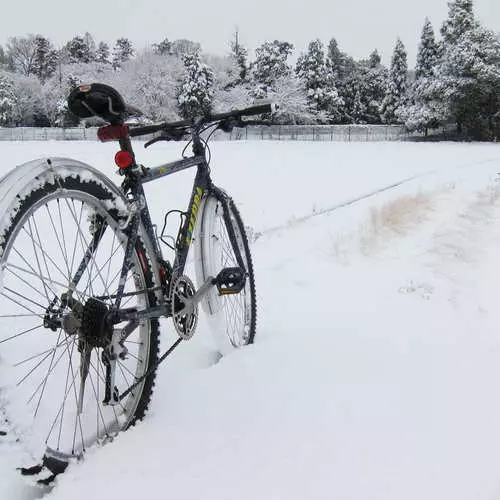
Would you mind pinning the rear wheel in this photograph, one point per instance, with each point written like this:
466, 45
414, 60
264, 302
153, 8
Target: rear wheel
52, 366
232, 318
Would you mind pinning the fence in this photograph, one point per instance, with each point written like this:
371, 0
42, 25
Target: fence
343, 133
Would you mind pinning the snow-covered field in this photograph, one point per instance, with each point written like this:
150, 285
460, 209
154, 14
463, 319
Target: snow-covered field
376, 368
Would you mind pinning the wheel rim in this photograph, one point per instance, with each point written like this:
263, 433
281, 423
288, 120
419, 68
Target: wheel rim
230, 315
41, 367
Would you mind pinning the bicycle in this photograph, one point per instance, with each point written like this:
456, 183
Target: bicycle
84, 281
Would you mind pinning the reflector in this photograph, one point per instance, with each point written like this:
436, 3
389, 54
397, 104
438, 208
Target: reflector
123, 159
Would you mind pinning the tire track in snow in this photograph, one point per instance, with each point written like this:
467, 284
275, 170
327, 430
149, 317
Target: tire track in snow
357, 199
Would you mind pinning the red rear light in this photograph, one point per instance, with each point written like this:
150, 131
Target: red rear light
112, 132
123, 159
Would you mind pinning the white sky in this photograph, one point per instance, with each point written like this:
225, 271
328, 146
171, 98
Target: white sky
358, 25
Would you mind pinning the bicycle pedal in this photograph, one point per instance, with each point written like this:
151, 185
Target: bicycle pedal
230, 280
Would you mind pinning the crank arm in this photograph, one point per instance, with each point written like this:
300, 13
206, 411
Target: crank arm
191, 302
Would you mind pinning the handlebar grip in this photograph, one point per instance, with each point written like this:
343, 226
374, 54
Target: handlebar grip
259, 110
145, 129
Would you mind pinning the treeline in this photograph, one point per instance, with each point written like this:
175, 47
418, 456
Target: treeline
456, 81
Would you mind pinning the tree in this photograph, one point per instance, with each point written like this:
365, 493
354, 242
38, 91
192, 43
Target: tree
364, 93
319, 83
468, 80
46, 58
270, 65
163, 48
7, 101
397, 84
122, 51
4, 60
428, 52
182, 47
423, 111
21, 52
197, 87
340, 63
77, 50
374, 59
239, 55
102, 53
460, 19
150, 82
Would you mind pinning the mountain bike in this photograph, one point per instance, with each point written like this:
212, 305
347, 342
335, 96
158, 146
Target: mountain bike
84, 282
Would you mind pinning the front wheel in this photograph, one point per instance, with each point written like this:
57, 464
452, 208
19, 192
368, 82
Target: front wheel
221, 238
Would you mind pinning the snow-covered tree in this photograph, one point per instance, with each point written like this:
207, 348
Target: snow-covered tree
428, 52
21, 52
397, 84
271, 64
460, 19
468, 80
3, 57
363, 92
150, 82
239, 55
77, 50
122, 51
422, 110
102, 53
196, 91
163, 48
374, 59
342, 65
183, 46
8, 101
289, 92
319, 83
46, 58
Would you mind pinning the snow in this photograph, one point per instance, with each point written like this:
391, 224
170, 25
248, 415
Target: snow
376, 365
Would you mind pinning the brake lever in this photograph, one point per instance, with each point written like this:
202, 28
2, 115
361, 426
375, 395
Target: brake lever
156, 139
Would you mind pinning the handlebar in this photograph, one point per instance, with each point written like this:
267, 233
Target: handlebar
176, 130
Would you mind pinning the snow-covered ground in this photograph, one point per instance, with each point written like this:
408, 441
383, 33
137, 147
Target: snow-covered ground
376, 368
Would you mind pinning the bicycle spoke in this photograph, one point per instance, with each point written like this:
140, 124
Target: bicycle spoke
24, 332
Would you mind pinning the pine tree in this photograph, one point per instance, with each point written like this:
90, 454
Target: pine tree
460, 19
397, 85
122, 52
77, 51
422, 111
197, 88
340, 63
468, 81
3, 57
46, 58
102, 53
163, 48
271, 64
428, 52
374, 60
319, 83
239, 54
8, 101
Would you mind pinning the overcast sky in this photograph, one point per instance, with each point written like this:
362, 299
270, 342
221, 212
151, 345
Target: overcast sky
358, 25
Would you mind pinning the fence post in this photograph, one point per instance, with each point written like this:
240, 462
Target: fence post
349, 133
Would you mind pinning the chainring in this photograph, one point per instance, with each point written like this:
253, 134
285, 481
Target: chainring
184, 311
